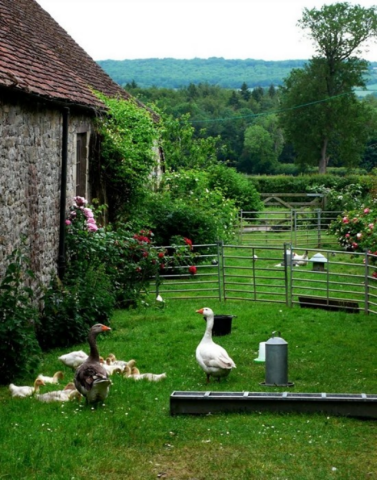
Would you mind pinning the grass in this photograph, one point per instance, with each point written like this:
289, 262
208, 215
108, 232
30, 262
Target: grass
132, 435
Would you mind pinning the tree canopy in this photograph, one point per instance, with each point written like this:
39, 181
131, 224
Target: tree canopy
322, 116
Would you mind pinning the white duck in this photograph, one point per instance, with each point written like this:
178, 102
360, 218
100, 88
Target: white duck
22, 392
54, 379
91, 378
73, 359
213, 358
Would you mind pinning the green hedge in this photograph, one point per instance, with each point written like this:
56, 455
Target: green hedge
303, 183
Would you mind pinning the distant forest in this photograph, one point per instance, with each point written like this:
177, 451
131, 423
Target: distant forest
174, 73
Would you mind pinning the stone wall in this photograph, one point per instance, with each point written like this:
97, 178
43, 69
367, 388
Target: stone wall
30, 177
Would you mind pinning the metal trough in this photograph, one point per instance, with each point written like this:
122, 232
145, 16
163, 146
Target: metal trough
340, 404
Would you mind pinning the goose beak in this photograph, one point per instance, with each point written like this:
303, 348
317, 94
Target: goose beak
200, 311
104, 328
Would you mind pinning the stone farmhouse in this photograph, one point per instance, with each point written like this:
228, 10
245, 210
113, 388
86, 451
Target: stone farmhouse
47, 135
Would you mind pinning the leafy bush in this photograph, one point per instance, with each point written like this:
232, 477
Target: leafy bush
235, 186
303, 183
104, 268
129, 133
128, 259
350, 196
70, 309
19, 348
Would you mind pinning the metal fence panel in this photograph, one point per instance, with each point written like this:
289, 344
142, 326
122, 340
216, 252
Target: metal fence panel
340, 281
299, 227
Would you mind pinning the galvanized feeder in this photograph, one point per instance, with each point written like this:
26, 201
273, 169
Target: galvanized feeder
276, 363
319, 262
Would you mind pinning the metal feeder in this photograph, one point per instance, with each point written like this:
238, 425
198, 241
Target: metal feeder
319, 262
276, 363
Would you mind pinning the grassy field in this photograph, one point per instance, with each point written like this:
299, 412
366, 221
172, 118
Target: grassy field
132, 435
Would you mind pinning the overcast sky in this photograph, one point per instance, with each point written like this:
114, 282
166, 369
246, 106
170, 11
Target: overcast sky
233, 29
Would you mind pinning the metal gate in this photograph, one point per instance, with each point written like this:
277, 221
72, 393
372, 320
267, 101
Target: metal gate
315, 278
302, 228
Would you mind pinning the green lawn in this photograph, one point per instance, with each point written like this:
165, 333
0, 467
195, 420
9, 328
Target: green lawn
132, 435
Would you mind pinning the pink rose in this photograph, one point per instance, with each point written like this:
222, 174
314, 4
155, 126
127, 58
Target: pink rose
88, 213
92, 227
371, 225
90, 220
347, 235
366, 210
80, 201
345, 220
68, 222
354, 245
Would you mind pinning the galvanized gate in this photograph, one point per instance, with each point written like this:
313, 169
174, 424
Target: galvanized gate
315, 278
302, 228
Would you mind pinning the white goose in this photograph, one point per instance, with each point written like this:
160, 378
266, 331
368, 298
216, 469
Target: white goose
54, 379
91, 378
213, 358
73, 359
23, 392
69, 393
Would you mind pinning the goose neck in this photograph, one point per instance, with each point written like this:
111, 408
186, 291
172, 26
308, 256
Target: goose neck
92, 340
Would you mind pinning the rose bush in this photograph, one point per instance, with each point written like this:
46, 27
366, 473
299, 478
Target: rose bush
105, 268
357, 229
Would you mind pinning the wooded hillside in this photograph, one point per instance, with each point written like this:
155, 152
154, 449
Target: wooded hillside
175, 73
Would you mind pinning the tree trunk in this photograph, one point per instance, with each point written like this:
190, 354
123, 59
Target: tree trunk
324, 158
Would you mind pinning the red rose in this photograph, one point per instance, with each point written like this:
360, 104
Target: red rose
192, 270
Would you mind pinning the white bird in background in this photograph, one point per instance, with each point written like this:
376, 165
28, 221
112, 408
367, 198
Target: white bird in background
299, 260
22, 392
73, 359
67, 394
213, 358
54, 379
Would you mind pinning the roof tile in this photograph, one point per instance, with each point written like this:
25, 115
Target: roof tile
38, 56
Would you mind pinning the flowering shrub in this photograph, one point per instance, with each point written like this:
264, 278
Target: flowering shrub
104, 268
180, 254
357, 230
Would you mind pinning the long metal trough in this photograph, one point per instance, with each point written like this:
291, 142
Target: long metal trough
340, 404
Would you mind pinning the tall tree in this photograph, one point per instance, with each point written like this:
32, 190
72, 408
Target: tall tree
322, 116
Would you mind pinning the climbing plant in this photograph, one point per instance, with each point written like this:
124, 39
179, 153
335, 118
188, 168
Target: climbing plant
129, 133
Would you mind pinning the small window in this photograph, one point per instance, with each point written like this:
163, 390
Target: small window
81, 165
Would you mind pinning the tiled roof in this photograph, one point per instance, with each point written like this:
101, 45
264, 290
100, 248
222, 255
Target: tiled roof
37, 56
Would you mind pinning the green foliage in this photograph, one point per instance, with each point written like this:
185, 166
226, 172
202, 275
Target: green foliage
203, 220
182, 149
104, 268
173, 74
128, 134
321, 114
72, 307
305, 183
347, 197
19, 349
235, 186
